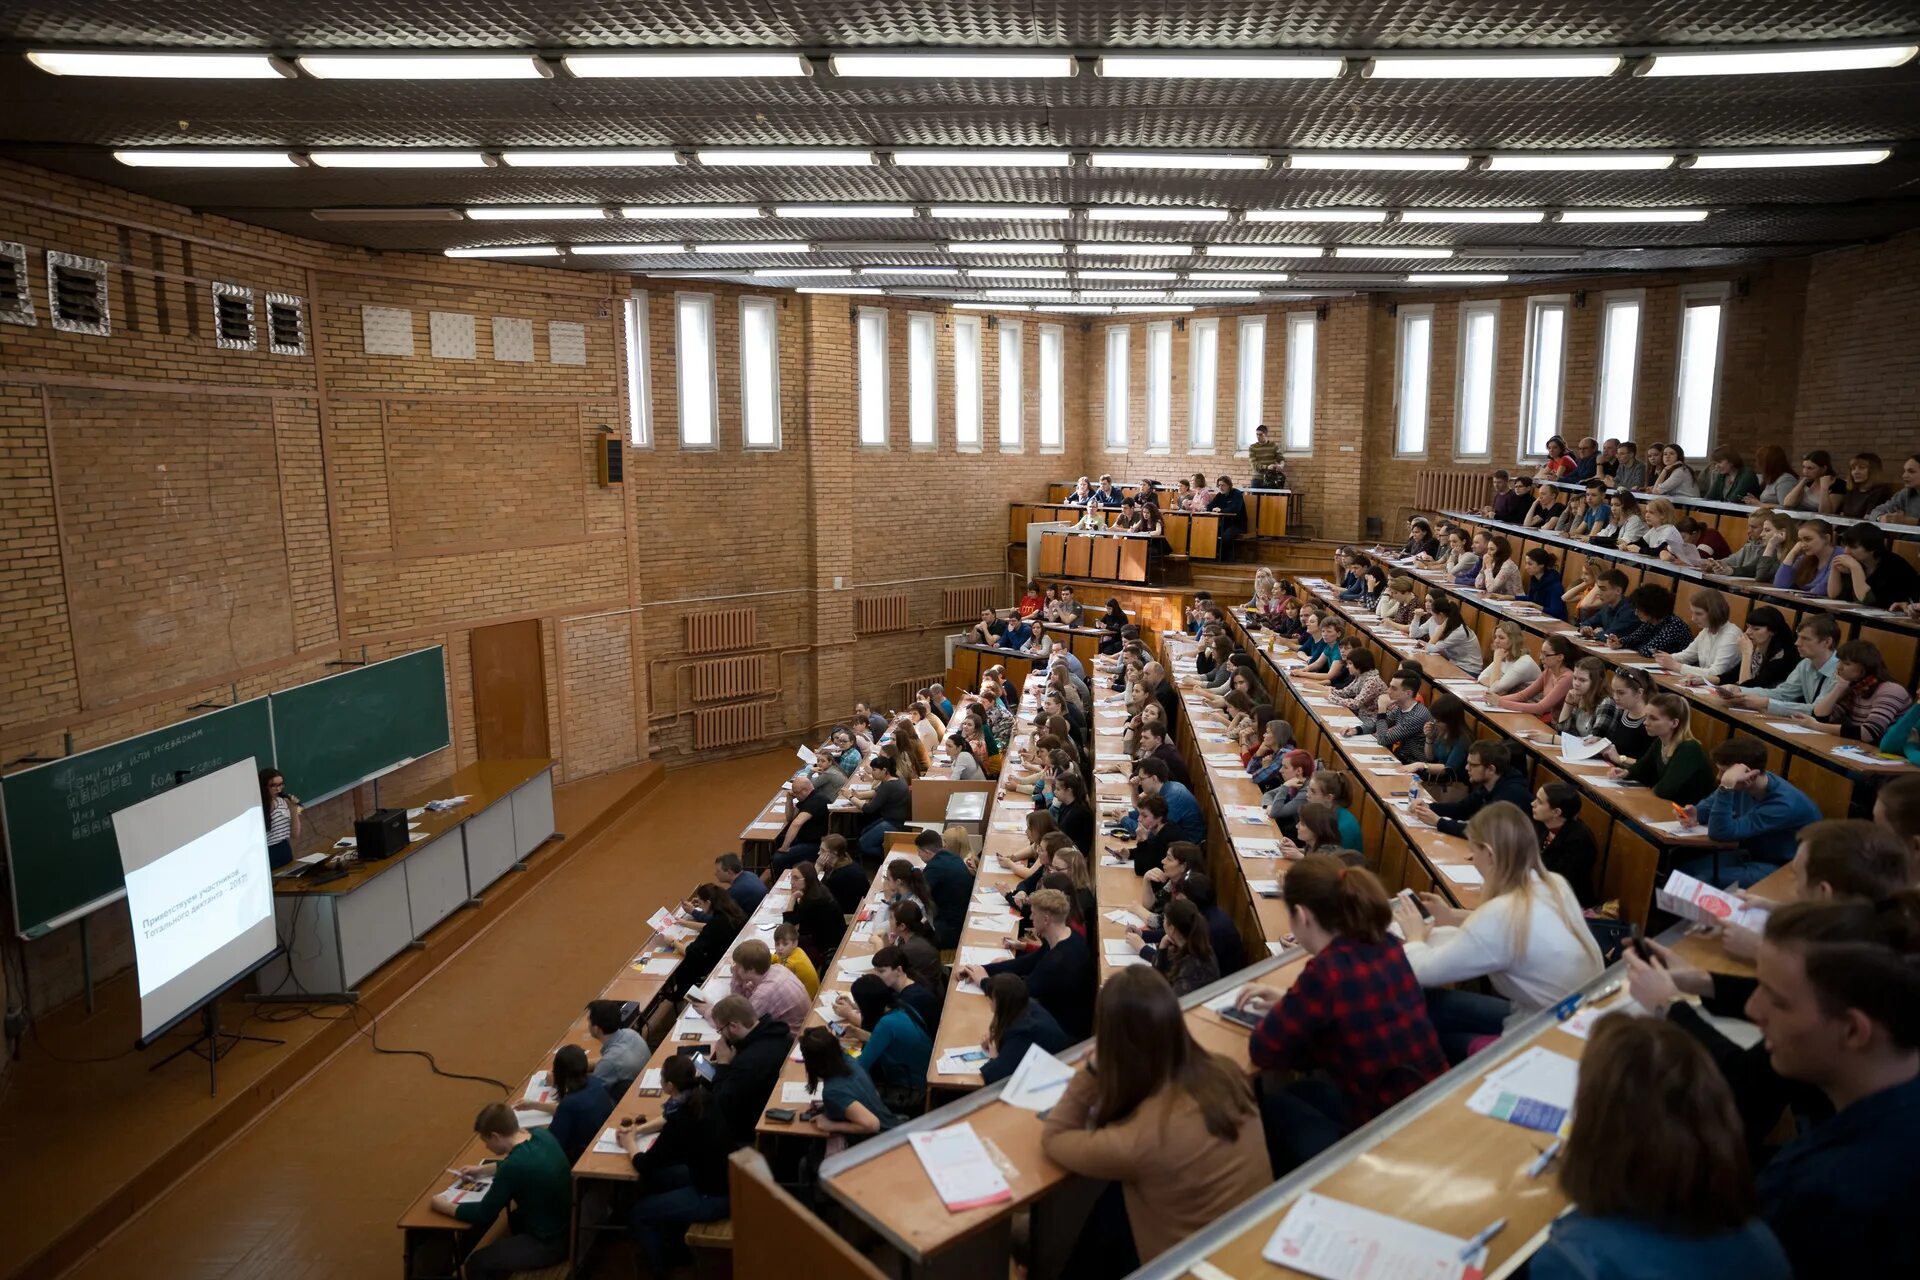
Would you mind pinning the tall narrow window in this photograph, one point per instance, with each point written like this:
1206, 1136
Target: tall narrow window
1473, 415
1012, 400
759, 373
1117, 387
873, 376
1545, 374
697, 370
1619, 365
1203, 382
639, 411
1696, 391
1251, 386
1303, 343
1415, 376
922, 406
1159, 386
966, 383
1053, 388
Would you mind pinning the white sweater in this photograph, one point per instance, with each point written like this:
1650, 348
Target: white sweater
1512, 676
1714, 653
1556, 964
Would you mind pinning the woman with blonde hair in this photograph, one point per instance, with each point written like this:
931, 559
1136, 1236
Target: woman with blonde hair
909, 754
1396, 603
1527, 937
962, 843
1665, 540
1674, 763
1720, 646
1511, 667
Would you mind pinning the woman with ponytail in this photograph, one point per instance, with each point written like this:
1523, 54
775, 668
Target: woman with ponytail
1354, 1024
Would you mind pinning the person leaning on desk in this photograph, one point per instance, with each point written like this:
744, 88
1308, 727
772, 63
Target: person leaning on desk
532, 1182
683, 1172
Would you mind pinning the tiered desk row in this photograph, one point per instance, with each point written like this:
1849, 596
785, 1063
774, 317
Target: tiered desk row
1267, 509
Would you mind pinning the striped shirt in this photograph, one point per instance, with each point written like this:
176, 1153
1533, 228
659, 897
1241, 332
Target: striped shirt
280, 821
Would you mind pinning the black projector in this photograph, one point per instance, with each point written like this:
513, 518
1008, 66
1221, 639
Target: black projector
381, 834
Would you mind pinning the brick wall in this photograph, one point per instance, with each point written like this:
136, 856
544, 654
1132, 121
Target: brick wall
1859, 384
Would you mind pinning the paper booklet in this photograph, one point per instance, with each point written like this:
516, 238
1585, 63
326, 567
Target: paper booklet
962, 1172
465, 1190
1701, 903
540, 1089
1037, 1083
1339, 1241
1533, 1090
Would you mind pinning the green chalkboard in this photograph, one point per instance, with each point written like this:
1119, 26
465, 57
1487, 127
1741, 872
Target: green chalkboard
61, 853
336, 732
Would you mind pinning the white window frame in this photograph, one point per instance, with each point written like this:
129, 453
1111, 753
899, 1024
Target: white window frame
639, 384
1692, 296
1013, 402
1408, 399
1469, 312
864, 394
1053, 390
1302, 383
1159, 362
704, 302
1538, 306
1609, 303
772, 309
1249, 381
1119, 343
969, 414
1203, 385
923, 380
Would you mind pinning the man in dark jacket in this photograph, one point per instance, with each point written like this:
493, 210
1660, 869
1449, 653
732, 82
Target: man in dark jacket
951, 884
746, 1064
1491, 776
1155, 834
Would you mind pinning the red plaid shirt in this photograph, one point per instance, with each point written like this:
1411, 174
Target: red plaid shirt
1357, 1013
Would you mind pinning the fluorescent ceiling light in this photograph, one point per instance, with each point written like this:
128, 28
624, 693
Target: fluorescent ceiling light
589, 158
1633, 215
659, 66
800, 273
1748, 62
209, 159
1006, 246
1115, 249
1031, 212
534, 213
1473, 215
1018, 273
1264, 251
1455, 277
421, 66
990, 306
1219, 295
918, 66
1228, 66
1077, 309
689, 212
404, 214
1129, 275
1152, 213
843, 211
1492, 66
1272, 277
623, 249
909, 271
784, 157
1388, 251
1380, 161
1577, 161
1153, 309
755, 246
1123, 295
979, 158
1315, 215
1797, 159
506, 251
411, 158
1514, 251
854, 292
1175, 160
1029, 295
157, 66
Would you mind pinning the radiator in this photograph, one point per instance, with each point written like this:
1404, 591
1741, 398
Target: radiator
723, 679
729, 726
718, 630
903, 690
1450, 490
874, 614
963, 604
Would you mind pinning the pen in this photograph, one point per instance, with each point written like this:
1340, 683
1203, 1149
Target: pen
1545, 1158
1481, 1237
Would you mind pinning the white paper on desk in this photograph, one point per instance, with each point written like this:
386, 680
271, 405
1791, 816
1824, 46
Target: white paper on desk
1126, 918
1223, 762
1243, 812
794, 1093
852, 966
608, 1143
414, 813
769, 828
997, 922
1701, 903
1788, 726
1263, 888
1009, 826
1037, 1083
1866, 756
1529, 1089
660, 966
346, 842
1580, 1025
1575, 747
805, 753
661, 920
650, 1081
531, 1119
1611, 784
963, 1174
1677, 828
992, 866
540, 1089
960, 1062
1127, 961
465, 1191
1340, 1241
981, 955
1462, 873
1118, 947
1267, 848
825, 1007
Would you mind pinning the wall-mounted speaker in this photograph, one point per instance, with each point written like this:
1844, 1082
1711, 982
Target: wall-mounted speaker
613, 460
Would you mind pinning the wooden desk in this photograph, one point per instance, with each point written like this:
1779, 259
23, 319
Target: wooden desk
1269, 511
335, 934
1730, 518
1108, 557
1195, 534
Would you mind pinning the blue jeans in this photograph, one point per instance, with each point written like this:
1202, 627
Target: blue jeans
1461, 1017
659, 1219
1735, 868
873, 841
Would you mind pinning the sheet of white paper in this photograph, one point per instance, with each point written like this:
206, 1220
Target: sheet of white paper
1701, 903
660, 966
1127, 918
794, 1093
1339, 1241
963, 1174
1463, 873
1117, 947
854, 966
540, 1089
960, 1062
1575, 747
1580, 1025
530, 1119
1540, 1075
1788, 726
1243, 812
980, 955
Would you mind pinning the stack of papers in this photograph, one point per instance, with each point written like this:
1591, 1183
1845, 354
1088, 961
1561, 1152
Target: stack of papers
1340, 1241
608, 1143
650, 1082
1118, 947
465, 1190
1701, 903
1463, 873
963, 1174
659, 966
1037, 1083
1534, 1090
531, 1119
794, 1093
1243, 813
1260, 848
961, 1062
540, 1089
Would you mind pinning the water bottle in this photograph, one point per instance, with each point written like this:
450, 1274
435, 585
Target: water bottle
1413, 791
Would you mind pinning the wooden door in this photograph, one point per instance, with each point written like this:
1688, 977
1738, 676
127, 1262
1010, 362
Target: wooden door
509, 691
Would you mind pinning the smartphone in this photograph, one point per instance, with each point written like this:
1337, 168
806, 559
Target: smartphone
1244, 1017
1418, 905
1637, 943
784, 1115
972, 1055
